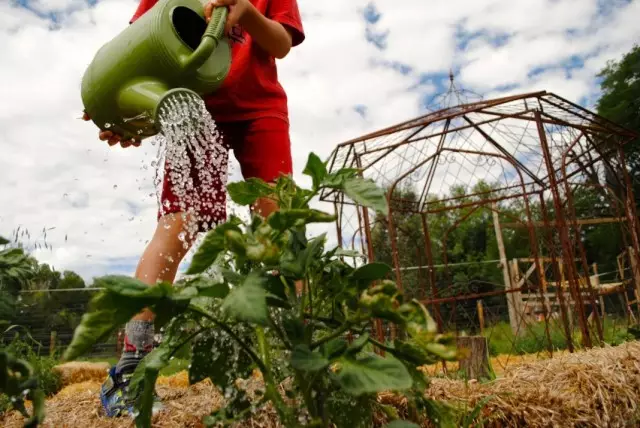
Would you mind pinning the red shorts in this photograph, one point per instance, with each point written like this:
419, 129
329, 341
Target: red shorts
263, 149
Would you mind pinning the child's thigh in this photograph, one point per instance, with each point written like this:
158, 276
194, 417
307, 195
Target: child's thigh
264, 149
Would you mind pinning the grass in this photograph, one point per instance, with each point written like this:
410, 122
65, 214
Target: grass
176, 365
533, 339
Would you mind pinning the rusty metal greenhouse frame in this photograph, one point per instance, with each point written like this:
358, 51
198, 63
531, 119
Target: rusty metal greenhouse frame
536, 149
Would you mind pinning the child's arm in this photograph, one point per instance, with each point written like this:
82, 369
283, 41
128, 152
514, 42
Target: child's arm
272, 36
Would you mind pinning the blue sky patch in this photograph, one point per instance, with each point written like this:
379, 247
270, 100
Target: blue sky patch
361, 109
376, 37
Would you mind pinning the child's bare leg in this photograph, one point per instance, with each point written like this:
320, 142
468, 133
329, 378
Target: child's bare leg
158, 263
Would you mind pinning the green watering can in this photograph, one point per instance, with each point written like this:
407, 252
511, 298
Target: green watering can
167, 51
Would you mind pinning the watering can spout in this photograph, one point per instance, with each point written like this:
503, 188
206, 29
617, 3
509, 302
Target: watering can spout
142, 99
210, 40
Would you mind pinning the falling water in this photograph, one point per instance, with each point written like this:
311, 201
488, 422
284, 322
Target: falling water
195, 161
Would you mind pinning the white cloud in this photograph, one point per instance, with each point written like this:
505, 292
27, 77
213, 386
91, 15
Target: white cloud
55, 173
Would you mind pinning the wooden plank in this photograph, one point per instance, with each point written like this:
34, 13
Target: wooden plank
584, 221
514, 316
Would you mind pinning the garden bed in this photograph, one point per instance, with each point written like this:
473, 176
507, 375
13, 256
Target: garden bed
595, 388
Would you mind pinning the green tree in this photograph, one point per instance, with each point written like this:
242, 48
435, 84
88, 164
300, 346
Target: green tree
620, 102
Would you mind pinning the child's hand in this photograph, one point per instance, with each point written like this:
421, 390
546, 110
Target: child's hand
113, 139
237, 9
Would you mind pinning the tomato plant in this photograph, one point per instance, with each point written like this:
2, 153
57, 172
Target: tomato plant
239, 310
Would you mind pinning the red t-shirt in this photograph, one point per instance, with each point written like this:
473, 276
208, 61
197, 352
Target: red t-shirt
251, 89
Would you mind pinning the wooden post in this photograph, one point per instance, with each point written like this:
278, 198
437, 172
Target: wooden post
513, 315
636, 276
476, 362
516, 297
52, 342
595, 282
480, 315
568, 301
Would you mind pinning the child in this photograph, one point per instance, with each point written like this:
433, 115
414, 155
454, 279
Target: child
251, 113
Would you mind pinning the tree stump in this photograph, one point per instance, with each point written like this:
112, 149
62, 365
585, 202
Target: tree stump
476, 362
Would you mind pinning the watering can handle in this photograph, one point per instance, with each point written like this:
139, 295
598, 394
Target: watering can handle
210, 39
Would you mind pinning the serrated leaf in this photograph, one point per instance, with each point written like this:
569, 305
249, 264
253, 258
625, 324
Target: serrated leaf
372, 374
122, 298
316, 169
212, 245
303, 359
337, 179
366, 193
249, 191
248, 302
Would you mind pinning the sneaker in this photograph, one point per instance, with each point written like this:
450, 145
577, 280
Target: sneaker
113, 394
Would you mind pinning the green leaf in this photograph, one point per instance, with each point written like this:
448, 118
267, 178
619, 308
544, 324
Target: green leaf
442, 351
340, 252
366, 193
398, 423
297, 263
207, 287
293, 328
248, 302
216, 356
359, 343
337, 179
371, 272
334, 348
303, 359
3, 241
249, 191
287, 218
316, 169
372, 374
122, 298
143, 383
212, 245
38, 400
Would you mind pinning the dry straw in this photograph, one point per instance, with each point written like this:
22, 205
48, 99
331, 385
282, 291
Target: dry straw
597, 388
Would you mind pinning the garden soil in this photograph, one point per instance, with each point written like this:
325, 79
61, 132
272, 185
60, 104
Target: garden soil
596, 388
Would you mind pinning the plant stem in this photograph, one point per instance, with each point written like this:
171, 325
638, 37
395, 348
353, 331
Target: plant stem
381, 345
332, 336
279, 332
233, 335
263, 346
271, 390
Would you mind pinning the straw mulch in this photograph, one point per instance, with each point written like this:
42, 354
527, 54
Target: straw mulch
597, 388
79, 371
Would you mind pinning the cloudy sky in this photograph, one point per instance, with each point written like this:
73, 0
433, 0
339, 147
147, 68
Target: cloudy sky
364, 65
